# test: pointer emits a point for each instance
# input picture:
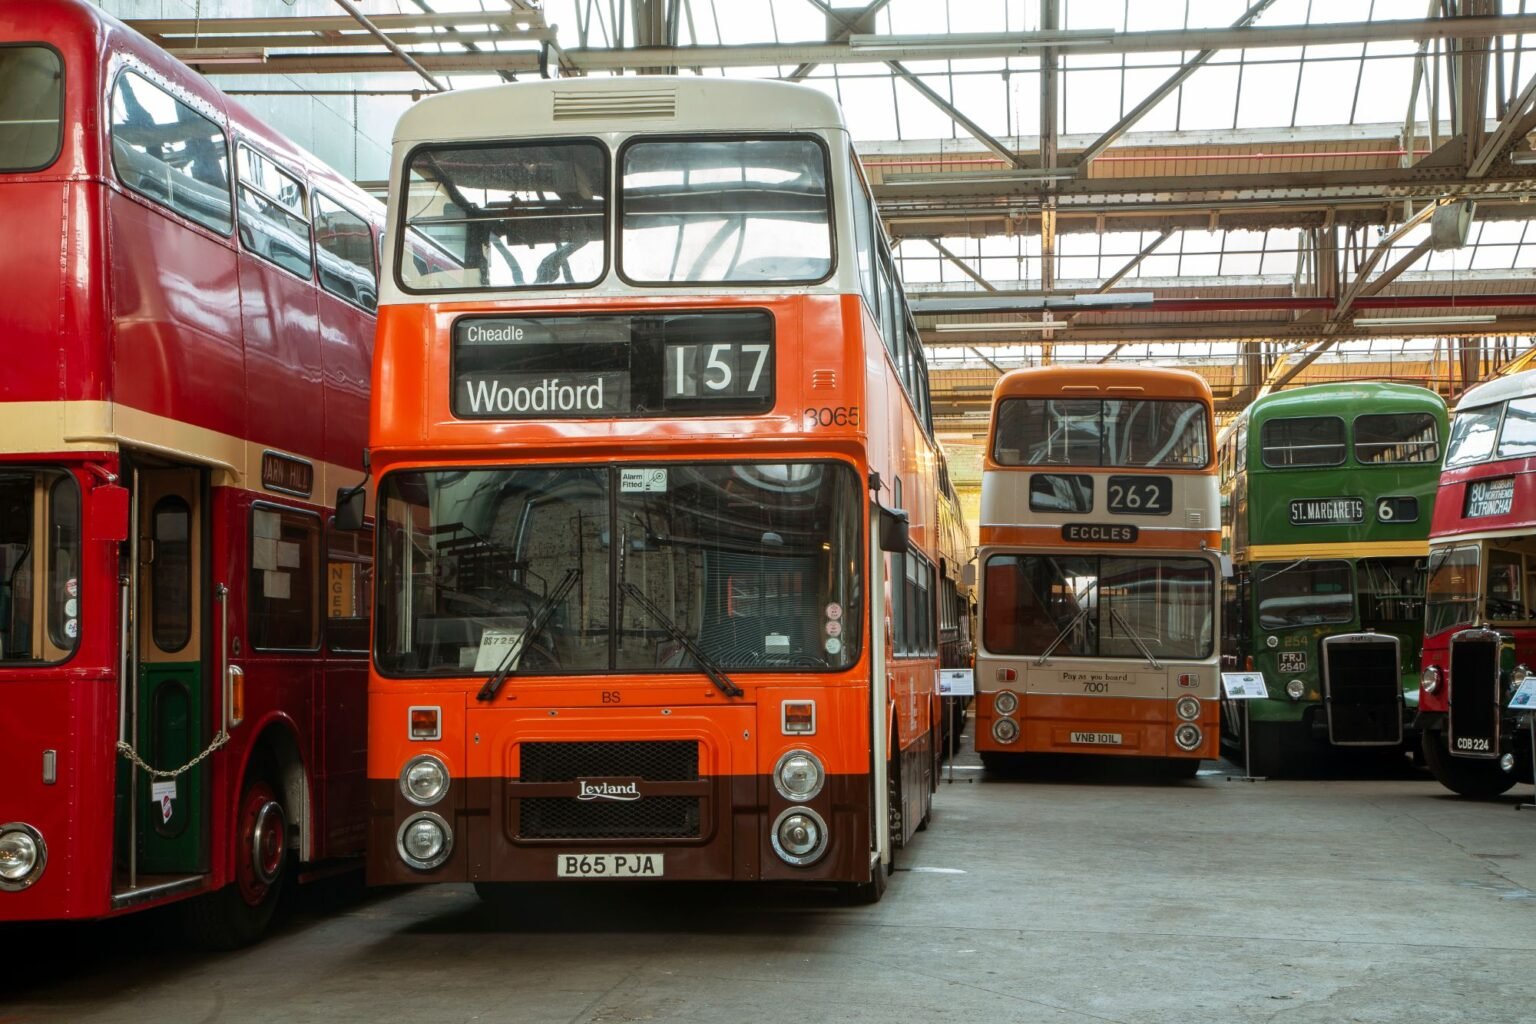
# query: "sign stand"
(954, 682)
(1530, 726)
(1244, 687)
(1524, 699)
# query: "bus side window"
(863, 237)
(274, 219)
(345, 251)
(285, 580)
(169, 153)
(348, 588)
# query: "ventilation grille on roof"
(635, 103)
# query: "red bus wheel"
(238, 914)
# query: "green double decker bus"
(1327, 493)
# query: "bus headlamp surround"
(1187, 708)
(23, 856)
(1295, 689)
(1430, 679)
(424, 780)
(424, 840)
(799, 775)
(1188, 736)
(1005, 702)
(799, 836)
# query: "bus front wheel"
(1468, 777)
(240, 913)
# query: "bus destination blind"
(623, 365)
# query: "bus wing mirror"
(894, 534)
(351, 503)
(107, 516)
(1226, 567)
(968, 575)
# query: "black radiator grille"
(663, 817)
(653, 760)
(1474, 698)
(1364, 692)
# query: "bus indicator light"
(1006, 675)
(798, 718)
(426, 724)
(1189, 679)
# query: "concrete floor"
(1095, 897)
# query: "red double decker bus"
(1479, 634)
(188, 305)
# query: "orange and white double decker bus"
(656, 493)
(1100, 539)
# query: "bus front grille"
(621, 790)
(1362, 684)
(1473, 724)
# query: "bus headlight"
(1296, 689)
(1430, 679)
(1519, 675)
(1005, 702)
(23, 856)
(799, 836)
(1188, 736)
(424, 840)
(798, 775)
(1187, 708)
(1005, 730)
(424, 780)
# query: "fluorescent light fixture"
(1407, 321)
(982, 178)
(222, 55)
(1523, 157)
(951, 41)
(1018, 325)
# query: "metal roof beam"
(895, 48)
(389, 44)
(847, 29)
(299, 29)
(1513, 127)
(954, 114)
(1157, 95)
(965, 267)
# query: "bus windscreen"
(506, 216)
(755, 562)
(31, 107)
(1091, 432)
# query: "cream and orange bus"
(656, 496)
(1100, 566)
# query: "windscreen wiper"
(535, 626)
(707, 664)
(1146, 652)
(1069, 627)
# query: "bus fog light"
(1188, 736)
(1187, 708)
(424, 840)
(1507, 763)
(1430, 680)
(1296, 689)
(1005, 730)
(799, 836)
(424, 780)
(798, 775)
(1005, 702)
(23, 855)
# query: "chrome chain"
(126, 749)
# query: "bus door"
(171, 711)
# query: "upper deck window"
(168, 152)
(1396, 437)
(1092, 432)
(712, 210)
(506, 216)
(1472, 435)
(274, 217)
(1517, 437)
(344, 246)
(31, 107)
(1302, 441)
